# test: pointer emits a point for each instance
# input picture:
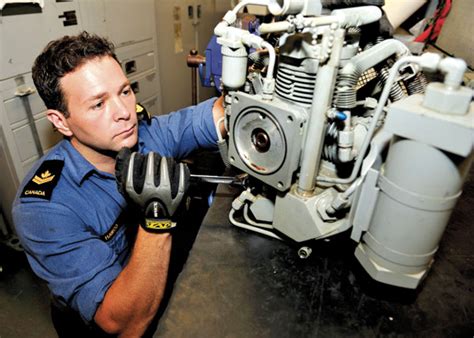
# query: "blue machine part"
(210, 74)
(213, 70)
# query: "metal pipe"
(357, 16)
(194, 60)
(272, 59)
(454, 72)
(350, 73)
(231, 16)
(322, 97)
(348, 17)
(193, 87)
(274, 27)
(251, 222)
(373, 125)
(250, 227)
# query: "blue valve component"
(210, 198)
(341, 116)
(213, 70)
(210, 74)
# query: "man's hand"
(157, 184)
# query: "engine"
(339, 129)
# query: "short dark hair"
(61, 57)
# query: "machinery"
(338, 129)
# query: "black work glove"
(156, 184)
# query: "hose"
(349, 75)
(396, 92)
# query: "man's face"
(101, 104)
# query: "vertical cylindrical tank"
(419, 186)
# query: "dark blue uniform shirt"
(78, 240)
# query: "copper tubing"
(194, 60)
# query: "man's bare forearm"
(133, 299)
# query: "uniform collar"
(79, 168)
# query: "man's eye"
(126, 92)
(98, 105)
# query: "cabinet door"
(175, 33)
(128, 21)
(15, 57)
(93, 16)
(25, 29)
(8, 184)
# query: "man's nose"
(119, 110)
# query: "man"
(79, 232)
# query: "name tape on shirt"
(127, 219)
(112, 231)
(44, 180)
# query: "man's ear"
(59, 121)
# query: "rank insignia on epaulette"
(44, 180)
(143, 114)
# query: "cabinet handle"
(31, 121)
(130, 67)
(70, 18)
(135, 87)
(190, 12)
(24, 91)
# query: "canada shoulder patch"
(44, 180)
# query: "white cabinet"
(24, 34)
(128, 21)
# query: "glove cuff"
(158, 225)
(157, 218)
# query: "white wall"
(177, 34)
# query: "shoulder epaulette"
(143, 114)
(44, 180)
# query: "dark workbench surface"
(237, 283)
